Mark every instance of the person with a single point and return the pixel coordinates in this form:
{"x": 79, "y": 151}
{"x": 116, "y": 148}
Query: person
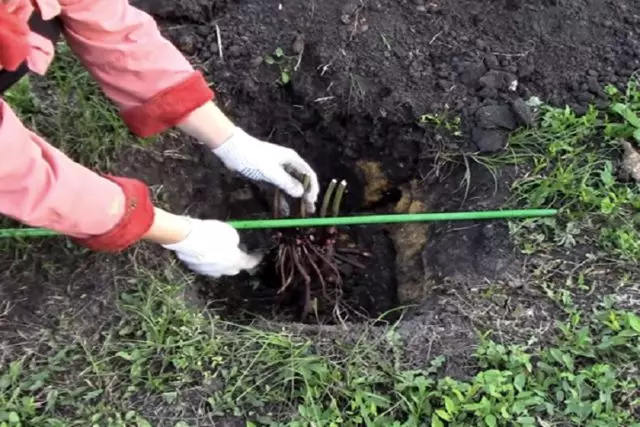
{"x": 155, "y": 88}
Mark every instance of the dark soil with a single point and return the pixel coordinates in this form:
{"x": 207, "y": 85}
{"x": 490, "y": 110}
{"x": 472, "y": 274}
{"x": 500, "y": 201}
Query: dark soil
{"x": 362, "y": 73}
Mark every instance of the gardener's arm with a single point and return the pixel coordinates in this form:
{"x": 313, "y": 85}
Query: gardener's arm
{"x": 156, "y": 88}
{"x": 42, "y": 187}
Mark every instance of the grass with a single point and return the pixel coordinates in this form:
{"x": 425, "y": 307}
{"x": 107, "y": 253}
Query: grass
{"x": 159, "y": 350}
{"x": 156, "y": 361}
{"x": 572, "y": 163}
{"x": 69, "y": 110}
{"x": 286, "y": 64}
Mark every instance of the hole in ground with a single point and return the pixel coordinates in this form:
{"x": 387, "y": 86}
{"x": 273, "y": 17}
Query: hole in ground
{"x": 357, "y": 266}
{"x": 378, "y": 157}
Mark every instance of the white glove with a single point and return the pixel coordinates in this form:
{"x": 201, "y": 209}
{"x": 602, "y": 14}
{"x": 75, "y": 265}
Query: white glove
{"x": 211, "y": 249}
{"x": 263, "y": 161}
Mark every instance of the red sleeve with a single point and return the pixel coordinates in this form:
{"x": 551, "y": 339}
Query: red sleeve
{"x": 42, "y": 187}
{"x": 152, "y": 83}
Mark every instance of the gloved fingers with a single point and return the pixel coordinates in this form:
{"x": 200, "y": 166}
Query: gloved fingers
{"x": 211, "y": 271}
{"x": 303, "y": 168}
{"x": 214, "y": 270}
{"x": 283, "y": 180}
{"x": 246, "y": 261}
{"x": 230, "y": 266}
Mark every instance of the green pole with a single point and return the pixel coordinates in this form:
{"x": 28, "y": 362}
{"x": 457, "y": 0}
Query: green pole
{"x": 387, "y": 219}
{"x": 254, "y": 224}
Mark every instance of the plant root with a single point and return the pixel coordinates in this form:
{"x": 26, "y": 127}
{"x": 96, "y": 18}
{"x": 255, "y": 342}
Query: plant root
{"x": 308, "y": 263}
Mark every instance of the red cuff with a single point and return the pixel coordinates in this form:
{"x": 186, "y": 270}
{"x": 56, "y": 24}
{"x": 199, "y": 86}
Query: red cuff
{"x": 14, "y": 39}
{"x": 169, "y": 107}
{"x": 135, "y": 223}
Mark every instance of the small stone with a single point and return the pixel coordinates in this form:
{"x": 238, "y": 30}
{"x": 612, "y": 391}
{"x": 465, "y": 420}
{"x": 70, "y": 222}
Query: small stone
{"x": 256, "y": 62}
{"x": 471, "y": 72}
{"x": 249, "y": 86}
{"x": 573, "y": 85}
{"x": 489, "y": 140}
{"x": 234, "y": 51}
{"x": 498, "y": 80}
{"x": 350, "y": 7}
{"x": 345, "y": 19}
{"x": 186, "y": 43}
{"x": 524, "y": 91}
{"x": 480, "y": 44}
{"x": 512, "y": 69}
{"x": 203, "y": 30}
{"x": 298, "y": 44}
{"x": 488, "y": 231}
{"x": 491, "y": 62}
{"x": 584, "y": 97}
{"x": 523, "y": 112}
{"x": 488, "y": 92}
{"x": 579, "y": 109}
{"x": 496, "y": 117}
{"x": 526, "y": 69}
{"x": 444, "y": 84}
{"x": 593, "y": 85}
{"x": 513, "y": 5}
{"x": 350, "y": 152}
{"x": 592, "y": 73}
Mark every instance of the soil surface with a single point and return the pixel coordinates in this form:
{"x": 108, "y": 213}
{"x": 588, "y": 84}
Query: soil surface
{"x": 360, "y": 74}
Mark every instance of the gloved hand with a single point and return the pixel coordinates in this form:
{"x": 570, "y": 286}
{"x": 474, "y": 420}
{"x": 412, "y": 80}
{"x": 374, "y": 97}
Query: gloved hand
{"x": 263, "y": 161}
{"x": 211, "y": 248}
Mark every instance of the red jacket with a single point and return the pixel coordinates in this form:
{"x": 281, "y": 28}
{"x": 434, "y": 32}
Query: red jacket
{"x": 153, "y": 86}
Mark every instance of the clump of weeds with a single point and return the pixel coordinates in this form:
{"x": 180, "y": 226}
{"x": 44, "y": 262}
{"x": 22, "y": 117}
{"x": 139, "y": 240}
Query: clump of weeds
{"x": 451, "y": 124}
{"x": 287, "y": 64}
{"x": 573, "y": 163}
{"x": 624, "y": 106}
{"x": 163, "y": 363}
{"x": 309, "y": 263}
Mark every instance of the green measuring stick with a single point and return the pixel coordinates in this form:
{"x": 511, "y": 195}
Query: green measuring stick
{"x": 387, "y": 219}
{"x": 254, "y": 224}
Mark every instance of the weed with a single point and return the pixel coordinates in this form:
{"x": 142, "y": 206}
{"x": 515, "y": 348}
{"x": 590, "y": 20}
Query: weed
{"x": 444, "y": 121}
{"x": 625, "y": 106}
{"x": 159, "y": 347}
{"x": 386, "y": 42}
{"x": 287, "y": 64}
{"x": 22, "y": 100}
{"x": 357, "y": 90}
{"x": 570, "y": 162}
